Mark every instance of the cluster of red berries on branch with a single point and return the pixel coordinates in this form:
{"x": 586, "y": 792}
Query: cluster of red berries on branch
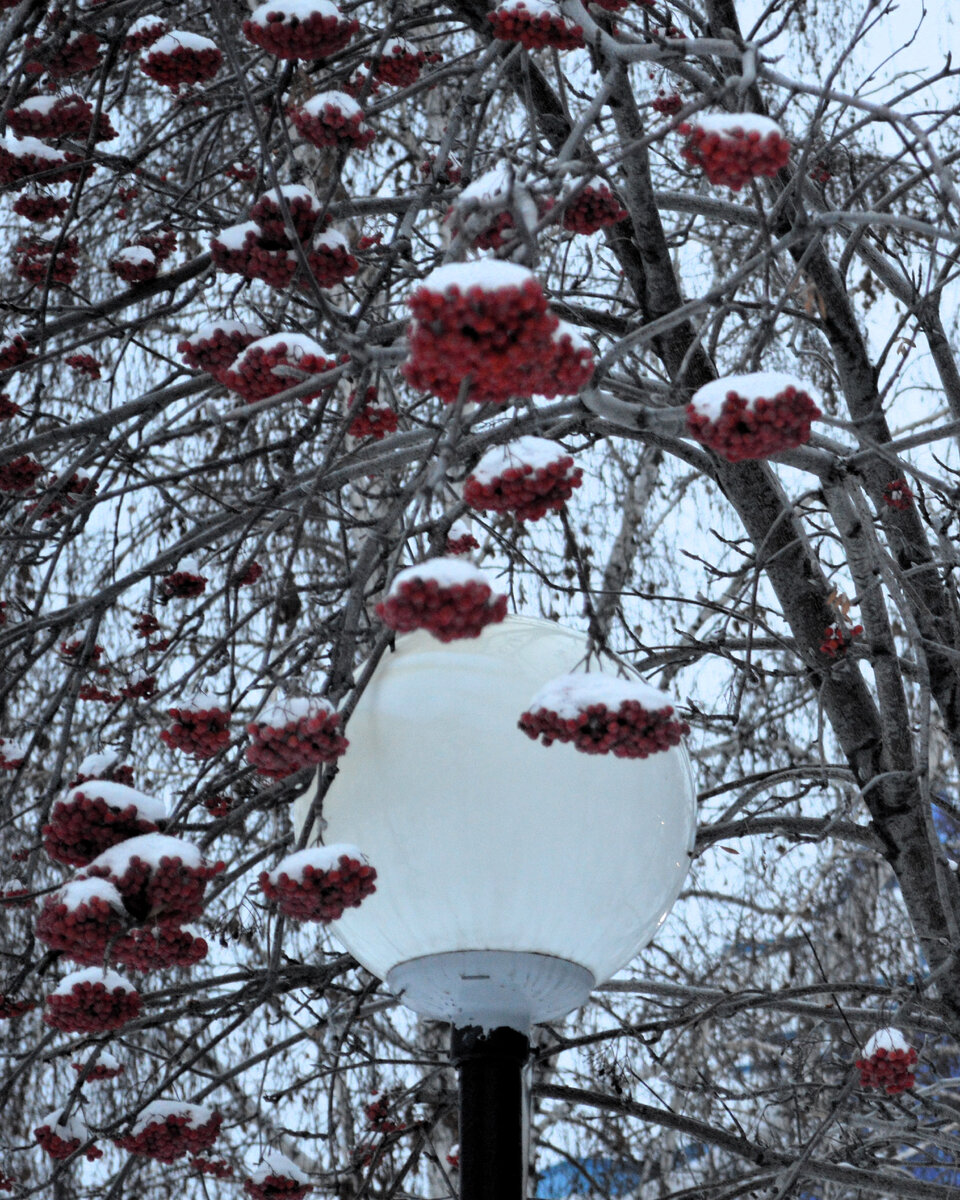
{"x": 837, "y": 639}
{"x": 487, "y": 325}
{"x": 460, "y": 540}
{"x": 90, "y": 691}
{"x": 83, "y": 362}
{"x": 248, "y": 575}
{"x": 450, "y": 598}
{"x": 79, "y": 53}
{"x": 592, "y": 208}
{"x": 733, "y": 148}
{"x": 103, "y": 766}
{"x": 7, "y": 410}
{"x": 170, "y": 1129}
{"x": 213, "y": 347}
{"x": 60, "y": 1140}
{"x": 158, "y": 878}
{"x": 399, "y": 62}
{"x": 185, "y": 583}
{"x": 898, "y": 494}
{"x": 378, "y": 1116}
{"x": 240, "y": 250}
{"x": 12, "y": 1010}
{"x": 58, "y": 116}
{"x": 144, "y": 32}
{"x": 330, "y": 260}
{"x": 24, "y": 159}
{"x": 19, "y": 474}
{"x": 16, "y": 349}
{"x": 372, "y": 419}
{"x": 64, "y": 501}
{"x": 600, "y": 714}
{"x": 449, "y": 174}
{"x": 304, "y": 29}
{"x": 140, "y": 685}
{"x": 36, "y": 262}
{"x": 39, "y": 208}
{"x": 82, "y": 919}
{"x": 106, "y": 1067}
{"x": 12, "y": 754}
{"x": 303, "y": 207}
{"x": 134, "y": 264}
{"x": 92, "y": 1001}
{"x": 272, "y": 364}
{"x": 332, "y": 119}
{"x": 14, "y": 895}
{"x": 153, "y": 947}
{"x": 200, "y": 728}
{"x": 887, "y": 1063}
{"x": 535, "y": 24}
{"x": 752, "y": 416}
{"x": 160, "y": 242}
{"x": 668, "y": 104}
{"x": 95, "y": 817}
{"x": 319, "y": 883}
{"x": 293, "y": 734}
{"x": 528, "y": 477}
{"x": 181, "y": 57}
{"x": 276, "y": 1178}
{"x": 217, "y": 1168}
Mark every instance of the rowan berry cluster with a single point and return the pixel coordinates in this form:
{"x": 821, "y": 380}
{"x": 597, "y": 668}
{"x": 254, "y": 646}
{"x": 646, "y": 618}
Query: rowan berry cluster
{"x": 240, "y": 251}
{"x": 115, "y": 772}
{"x": 214, "y": 348}
{"x": 15, "y": 350}
{"x": 668, "y": 104}
{"x": 305, "y": 213}
{"x": 92, "y": 1007}
{"x": 215, "y": 1167}
{"x": 898, "y": 494}
{"x": 85, "y": 363}
{"x": 12, "y": 1010}
{"x": 90, "y": 691}
{"x": 75, "y": 56}
{"x": 19, "y": 474}
{"x": 21, "y": 161}
{"x": 36, "y": 261}
{"x": 253, "y": 374}
{"x": 536, "y": 27}
{"x": 303, "y": 741}
{"x": 167, "y": 1137}
{"x": 134, "y": 264}
{"x": 888, "y": 1070}
{"x": 373, "y": 420}
{"x": 288, "y": 35}
{"x": 837, "y": 640}
{"x": 14, "y": 895}
{"x": 455, "y": 605}
{"x": 250, "y": 574}
{"x": 378, "y": 1116}
{"x": 160, "y": 242}
{"x": 76, "y": 485}
{"x": 312, "y": 894}
{"x": 274, "y": 1184}
{"x": 7, "y": 410}
{"x": 201, "y": 733}
{"x": 81, "y": 928}
{"x": 463, "y": 543}
{"x": 330, "y": 260}
{"x": 141, "y": 686}
{"x": 332, "y": 119}
{"x": 449, "y": 174}
{"x": 59, "y": 1147}
{"x": 399, "y": 63}
{"x": 754, "y": 428}
{"x": 53, "y": 117}
{"x": 143, "y": 32}
{"x": 168, "y": 892}
{"x": 181, "y": 58}
{"x": 527, "y": 491}
{"x": 182, "y": 585}
{"x": 153, "y": 947}
{"x": 85, "y": 824}
{"x": 106, "y": 1067}
{"x": 12, "y": 754}
{"x": 628, "y": 731}
{"x": 39, "y": 208}
{"x": 594, "y": 207}
{"x": 733, "y": 155}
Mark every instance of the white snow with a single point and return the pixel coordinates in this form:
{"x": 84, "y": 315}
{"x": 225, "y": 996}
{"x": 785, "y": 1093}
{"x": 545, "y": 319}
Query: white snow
{"x": 189, "y": 565}
{"x": 298, "y": 346}
{"x": 199, "y": 702}
{"x": 30, "y": 145}
{"x": 320, "y": 858}
{"x": 144, "y": 24}
{"x": 729, "y": 123}
{"x": 119, "y": 797}
{"x": 159, "y": 1110}
{"x": 885, "y": 1039}
{"x": 301, "y": 9}
{"x": 331, "y": 239}
{"x": 12, "y": 750}
{"x": 291, "y": 191}
{"x": 533, "y": 451}
{"x": 43, "y": 104}
{"x": 494, "y": 184}
{"x": 136, "y": 255}
{"x": 82, "y": 891}
{"x": 293, "y": 708}
{"x": 534, "y": 7}
{"x": 347, "y": 105}
{"x": 110, "y": 980}
{"x": 105, "y": 1059}
{"x": 234, "y": 237}
{"x": 488, "y": 274}
{"x": 577, "y": 339}
{"x": 95, "y": 765}
{"x": 569, "y": 695}
{"x": 275, "y": 1163}
{"x": 459, "y": 529}
{"x": 225, "y": 325}
{"x": 149, "y": 848}
{"x": 708, "y": 401}
{"x": 397, "y": 47}
{"x": 73, "y": 1127}
{"x": 447, "y": 572}
{"x": 178, "y": 39}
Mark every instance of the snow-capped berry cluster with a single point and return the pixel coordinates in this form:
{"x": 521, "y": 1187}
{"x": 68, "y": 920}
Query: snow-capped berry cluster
{"x": 239, "y": 250}
{"x": 53, "y": 117}
{"x": 293, "y": 734}
{"x": 592, "y": 208}
{"x": 82, "y": 919}
{"x": 733, "y": 148}
{"x": 92, "y": 1001}
{"x": 160, "y": 242}
{"x": 134, "y": 264}
{"x": 144, "y": 32}
{"x": 83, "y": 361}
{"x": 752, "y": 416}
{"x": 450, "y": 598}
{"x": 837, "y": 639}
{"x": 276, "y": 1178}
{"x": 180, "y": 57}
{"x": 106, "y": 1067}
{"x": 535, "y": 24}
{"x": 23, "y": 158}
{"x": 104, "y": 765}
{"x": 898, "y": 494}
{"x": 38, "y": 260}
{"x": 19, "y": 474}
{"x": 304, "y": 209}
{"x": 399, "y": 63}
{"x": 600, "y": 714}
{"x": 887, "y": 1062}
{"x": 13, "y": 894}
{"x": 12, "y": 754}
{"x": 170, "y": 1129}
{"x": 185, "y": 583}
{"x": 332, "y": 119}
{"x": 95, "y": 817}
{"x": 330, "y": 260}
{"x": 151, "y": 947}
{"x": 201, "y": 728}
{"x": 306, "y": 29}
{"x": 528, "y": 477}
{"x": 39, "y": 208}
{"x": 272, "y": 364}
{"x": 487, "y": 324}
{"x": 158, "y": 878}
{"x": 319, "y": 883}
{"x": 213, "y": 347}
{"x": 372, "y": 420}
{"x": 460, "y": 540}
{"x": 79, "y": 53}
{"x": 61, "y": 1139}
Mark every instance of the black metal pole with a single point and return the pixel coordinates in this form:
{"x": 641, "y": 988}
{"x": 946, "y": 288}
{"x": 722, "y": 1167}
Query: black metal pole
{"x": 492, "y": 1163}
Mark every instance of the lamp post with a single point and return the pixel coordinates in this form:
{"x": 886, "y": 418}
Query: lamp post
{"x": 511, "y": 877}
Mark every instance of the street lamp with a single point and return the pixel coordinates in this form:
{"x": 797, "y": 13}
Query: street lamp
{"x": 511, "y": 878}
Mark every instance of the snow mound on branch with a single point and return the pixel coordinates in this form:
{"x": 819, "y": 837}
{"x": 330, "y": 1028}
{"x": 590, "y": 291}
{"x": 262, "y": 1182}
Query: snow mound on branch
{"x": 298, "y": 346}
{"x": 886, "y": 1039}
{"x": 330, "y": 239}
{"x": 534, "y": 452}
{"x": 199, "y": 702}
{"x": 569, "y": 695}
{"x": 73, "y": 1127}
{"x": 82, "y": 891}
{"x": 318, "y": 858}
{"x": 225, "y": 325}
{"x": 158, "y": 1111}
{"x": 234, "y": 237}
{"x": 176, "y": 39}
{"x": 30, "y": 145}
{"x": 492, "y": 185}
{"x": 135, "y": 255}
{"x": 150, "y": 848}
{"x": 729, "y": 123}
{"x": 119, "y": 796}
{"x": 295, "y": 708}
{"x": 92, "y": 975}
{"x": 291, "y": 191}
{"x": 336, "y": 99}
{"x": 489, "y": 275}
{"x": 298, "y": 10}
{"x": 275, "y": 1163}
{"x": 447, "y": 572}
{"x": 708, "y": 401}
